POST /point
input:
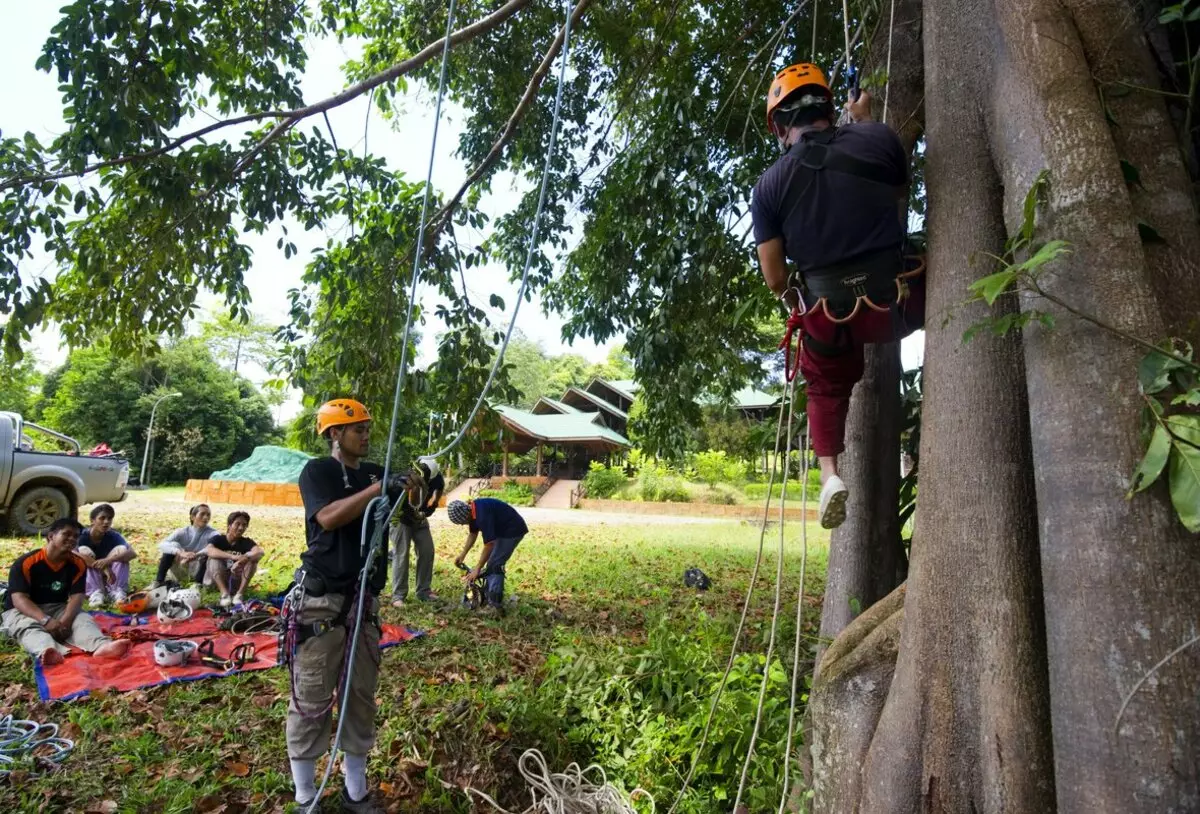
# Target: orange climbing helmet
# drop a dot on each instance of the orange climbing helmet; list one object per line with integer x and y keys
{"x": 791, "y": 79}
{"x": 340, "y": 412}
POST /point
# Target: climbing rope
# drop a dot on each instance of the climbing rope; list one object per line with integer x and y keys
{"x": 568, "y": 792}
{"x": 22, "y": 740}
{"x": 762, "y": 690}
{"x": 787, "y": 750}
{"x": 784, "y": 408}
{"x": 887, "y": 76}
{"x": 533, "y": 235}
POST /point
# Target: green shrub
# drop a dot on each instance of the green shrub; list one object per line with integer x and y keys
{"x": 673, "y": 490}
{"x": 603, "y": 481}
{"x": 516, "y": 494}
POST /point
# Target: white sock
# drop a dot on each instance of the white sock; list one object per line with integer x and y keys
{"x": 303, "y": 775}
{"x": 355, "y": 767}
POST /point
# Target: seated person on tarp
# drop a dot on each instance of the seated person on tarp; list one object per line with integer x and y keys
{"x": 183, "y": 551}
{"x": 43, "y": 609}
{"x": 107, "y": 557}
{"x": 233, "y": 559}
{"x": 502, "y": 529}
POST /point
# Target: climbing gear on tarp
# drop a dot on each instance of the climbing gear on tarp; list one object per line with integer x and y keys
{"x": 695, "y": 578}
{"x": 248, "y": 623}
{"x": 239, "y": 656}
{"x": 173, "y": 610}
{"x": 173, "y": 652}
{"x": 30, "y": 741}
{"x": 142, "y": 601}
{"x": 189, "y": 596}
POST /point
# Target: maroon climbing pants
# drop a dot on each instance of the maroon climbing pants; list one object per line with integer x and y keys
{"x": 832, "y": 360}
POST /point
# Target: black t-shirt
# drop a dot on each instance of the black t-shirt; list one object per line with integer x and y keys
{"x": 33, "y": 575}
{"x": 242, "y": 545}
{"x": 837, "y": 216}
{"x": 335, "y": 555}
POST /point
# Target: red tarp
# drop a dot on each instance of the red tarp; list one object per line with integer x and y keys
{"x": 80, "y": 673}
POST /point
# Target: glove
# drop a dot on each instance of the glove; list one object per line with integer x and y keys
{"x": 396, "y": 484}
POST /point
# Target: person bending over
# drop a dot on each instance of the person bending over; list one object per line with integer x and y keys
{"x": 502, "y": 529}
{"x": 413, "y": 527}
{"x": 183, "y": 554}
{"x": 43, "y": 608}
{"x": 232, "y": 559}
{"x": 107, "y": 557}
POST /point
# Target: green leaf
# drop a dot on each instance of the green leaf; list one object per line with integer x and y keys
{"x": 1184, "y": 478}
{"x": 1153, "y": 463}
{"x": 1191, "y": 398}
{"x": 989, "y": 288}
{"x": 1029, "y": 220}
{"x": 1154, "y": 372}
{"x": 1047, "y": 253}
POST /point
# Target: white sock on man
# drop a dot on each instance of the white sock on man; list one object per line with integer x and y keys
{"x": 304, "y": 773}
{"x": 355, "y": 767}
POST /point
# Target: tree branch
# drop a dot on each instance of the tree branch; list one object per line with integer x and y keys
{"x": 439, "y": 220}
{"x": 291, "y": 117}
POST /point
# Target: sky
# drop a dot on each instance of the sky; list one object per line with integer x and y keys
{"x": 30, "y": 101}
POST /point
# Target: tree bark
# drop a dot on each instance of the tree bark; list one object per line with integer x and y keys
{"x": 1120, "y": 576}
{"x": 964, "y": 725}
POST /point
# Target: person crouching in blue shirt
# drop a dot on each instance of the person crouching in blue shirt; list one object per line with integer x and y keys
{"x": 502, "y": 529}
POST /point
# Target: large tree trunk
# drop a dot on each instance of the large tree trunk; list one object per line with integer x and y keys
{"x": 1120, "y": 576}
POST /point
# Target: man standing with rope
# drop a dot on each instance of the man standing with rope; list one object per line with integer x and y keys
{"x": 335, "y": 491}
{"x": 833, "y": 205}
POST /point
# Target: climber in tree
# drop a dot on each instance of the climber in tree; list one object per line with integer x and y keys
{"x": 833, "y": 205}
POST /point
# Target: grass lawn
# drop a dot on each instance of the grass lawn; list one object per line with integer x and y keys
{"x": 604, "y": 656}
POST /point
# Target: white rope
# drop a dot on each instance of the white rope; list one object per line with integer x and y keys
{"x": 846, "y": 30}
{"x": 568, "y": 792}
{"x": 787, "y": 751}
{"x": 762, "y": 690}
{"x": 887, "y": 78}
{"x": 533, "y": 237}
{"x": 784, "y": 406}
{"x": 816, "y": 16}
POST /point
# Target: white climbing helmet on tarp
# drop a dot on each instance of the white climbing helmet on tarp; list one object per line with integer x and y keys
{"x": 173, "y": 610}
{"x": 188, "y": 596}
{"x": 173, "y": 652}
{"x": 144, "y": 601}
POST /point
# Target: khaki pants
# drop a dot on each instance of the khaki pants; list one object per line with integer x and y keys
{"x": 422, "y": 540}
{"x": 30, "y": 634}
{"x": 315, "y": 672}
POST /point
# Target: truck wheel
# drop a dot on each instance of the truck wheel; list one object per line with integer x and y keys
{"x": 33, "y": 511}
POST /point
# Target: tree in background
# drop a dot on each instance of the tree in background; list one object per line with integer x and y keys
{"x": 20, "y": 386}
{"x": 101, "y": 396}
{"x": 235, "y": 339}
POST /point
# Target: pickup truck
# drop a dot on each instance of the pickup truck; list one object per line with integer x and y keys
{"x": 39, "y": 487}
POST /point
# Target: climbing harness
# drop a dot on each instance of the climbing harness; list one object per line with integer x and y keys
{"x": 24, "y": 741}
{"x": 239, "y": 656}
{"x": 475, "y": 591}
{"x": 571, "y": 791}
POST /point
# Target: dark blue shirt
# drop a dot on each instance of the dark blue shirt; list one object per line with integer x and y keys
{"x": 836, "y": 215}
{"x": 495, "y": 519}
{"x": 102, "y": 547}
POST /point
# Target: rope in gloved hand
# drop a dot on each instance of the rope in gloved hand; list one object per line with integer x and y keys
{"x": 22, "y": 741}
{"x": 569, "y": 791}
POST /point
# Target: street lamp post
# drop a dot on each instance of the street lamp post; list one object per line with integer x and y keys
{"x": 150, "y": 436}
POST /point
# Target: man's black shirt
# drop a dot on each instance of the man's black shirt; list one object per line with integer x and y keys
{"x": 836, "y": 216}
{"x": 335, "y": 555}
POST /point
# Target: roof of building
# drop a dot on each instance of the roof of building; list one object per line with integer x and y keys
{"x": 599, "y": 402}
{"x": 748, "y": 398}
{"x": 561, "y": 427}
{"x": 627, "y": 387}
{"x": 554, "y": 405}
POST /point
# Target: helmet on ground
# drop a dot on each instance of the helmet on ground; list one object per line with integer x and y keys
{"x": 695, "y": 578}
{"x": 142, "y": 601}
{"x": 430, "y": 464}
{"x": 188, "y": 596}
{"x": 458, "y": 512}
{"x": 339, "y": 413}
{"x": 173, "y": 610}
{"x": 793, "y": 78}
{"x": 173, "y": 652}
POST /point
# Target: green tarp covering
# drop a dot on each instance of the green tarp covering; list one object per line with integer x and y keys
{"x": 267, "y": 464}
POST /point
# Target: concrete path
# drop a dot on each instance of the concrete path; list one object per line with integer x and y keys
{"x": 463, "y": 490}
{"x": 558, "y": 496}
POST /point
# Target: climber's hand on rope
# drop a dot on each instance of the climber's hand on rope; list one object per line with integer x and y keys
{"x": 397, "y": 484}
{"x": 859, "y": 110}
